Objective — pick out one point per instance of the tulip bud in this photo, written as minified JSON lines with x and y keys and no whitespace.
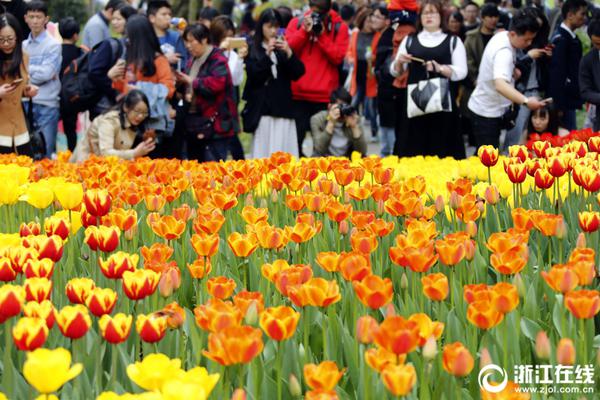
{"x":471,"y":229}
{"x":518,"y":282}
{"x":439,"y":203}
{"x":335,"y":190}
{"x":581,"y":242}
{"x":404,"y":281}
{"x":263,"y":203}
{"x":343,"y":227}
{"x":565,"y":352}
{"x":480,"y":205}
{"x":274,"y":196}
{"x":380,"y":207}
{"x":249,"y":201}
{"x":484,"y":358}
{"x":542,"y":345}
{"x":170,"y":280}
{"x":365,"y":326}
{"x":455,"y":200}
{"x":251,"y":317}
{"x":238,"y":394}
{"x":294,"y":386}
{"x":131,"y":233}
{"x":430,"y":349}
{"x":390,"y":311}
{"x":492,"y":195}
{"x":301,"y":351}
{"x":561,"y":229}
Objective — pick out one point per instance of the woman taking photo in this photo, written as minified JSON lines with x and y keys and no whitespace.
{"x":436,"y":55}
{"x":211,"y":118}
{"x":144,"y":67}
{"x":120,"y":132}
{"x":14,"y":78}
{"x":271,"y":67}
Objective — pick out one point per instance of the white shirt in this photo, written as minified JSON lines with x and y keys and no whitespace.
{"x":434,"y":39}
{"x":497,"y":62}
{"x":236,"y":67}
{"x":566,"y":28}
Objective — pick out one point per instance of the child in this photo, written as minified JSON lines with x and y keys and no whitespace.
{"x":545,"y":120}
{"x":69,"y":31}
{"x":171,"y":44}
{"x":45,"y":58}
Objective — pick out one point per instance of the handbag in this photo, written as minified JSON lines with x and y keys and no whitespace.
{"x":195,"y":124}
{"x":428,"y":96}
{"x":36,"y":138}
{"x":509,"y":118}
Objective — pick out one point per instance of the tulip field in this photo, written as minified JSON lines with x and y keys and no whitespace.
{"x":323,"y":278}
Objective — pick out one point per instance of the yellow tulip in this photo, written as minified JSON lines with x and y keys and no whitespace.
{"x":39,"y":194}
{"x":3,"y":396}
{"x":9,"y":241}
{"x":47,"y":370}
{"x":69,"y":195}
{"x":10,"y":191}
{"x":153,"y":371}
{"x":14,"y":171}
{"x":129,"y":396}
{"x":73,"y":216}
{"x":46,"y":397}
{"x":199,"y":376}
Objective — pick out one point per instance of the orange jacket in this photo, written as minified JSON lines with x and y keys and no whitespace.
{"x":353,"y":57}
{"x":162,"y":75}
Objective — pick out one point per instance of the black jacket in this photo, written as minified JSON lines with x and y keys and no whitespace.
{"x":16,"y":8}
{"x":589,"y":81}
{"x":563,"y":72}
{"x":387,"y":93}
{"x":264,"y":94}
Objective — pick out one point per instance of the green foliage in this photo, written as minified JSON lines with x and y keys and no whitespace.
{"x":68,"y":8}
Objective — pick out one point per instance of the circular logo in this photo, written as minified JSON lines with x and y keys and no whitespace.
{"x":484,"y":377}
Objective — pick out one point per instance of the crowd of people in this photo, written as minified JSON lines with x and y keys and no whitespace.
{"x":424,"y":77}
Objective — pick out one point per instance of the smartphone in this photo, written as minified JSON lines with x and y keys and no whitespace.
{"x":179,"y":65}
{"x":17,"y":81}
{"x":236,"y":42}
{"x":281,"y":34}
{"x":549,"y":100}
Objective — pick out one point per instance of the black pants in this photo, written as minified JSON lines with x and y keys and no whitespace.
{"x":303,"y":110}
{"x":70,"y":128}
{"x":236,"y":149}
{"x":401,"y":142}
{"x":22,"y":150}
{"x":486,"y":130}
{"x":208,"y":150}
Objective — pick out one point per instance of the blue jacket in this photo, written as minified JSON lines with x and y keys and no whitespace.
{"x":45,"y":59}
{"x":173,"y":42}
{"x":101,"y":60}
{"x":563,"y":71}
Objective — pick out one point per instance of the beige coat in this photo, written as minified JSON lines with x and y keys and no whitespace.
{"x":12,"y":122}
{"x":106,"y":137}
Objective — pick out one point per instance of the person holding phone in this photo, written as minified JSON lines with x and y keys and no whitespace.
{"x":119,"y":132}
{"x":271,"y":68}
{"x":14,"y":84}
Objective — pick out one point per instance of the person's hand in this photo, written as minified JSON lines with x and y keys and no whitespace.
{"x":6,"y":89}
{"x":334,"y":113}
{"x":403,"y":59}
{"x":283,"y":46}
{"x":144,"y":148}
{"x":517,"y":74}
{"x":352,"y":121}
{"x":271,"y":45}
{"x":243,"y":51}
{"x":173,"y":57}
{"x":117,"y":71}
{"x":433,"y":66}
{"x":533,"y":103}
{"x":31,"y":90}
{"x":183,"y":78}
{"x":307,"y":23}
{"x":224,"y":44}
{"x":537,"y":53}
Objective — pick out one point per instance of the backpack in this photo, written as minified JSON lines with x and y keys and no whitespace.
{"x":78,"y":93}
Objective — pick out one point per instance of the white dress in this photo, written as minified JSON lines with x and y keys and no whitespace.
{"x":274,"y":134}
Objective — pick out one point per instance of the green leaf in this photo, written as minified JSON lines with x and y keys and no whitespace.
{"x":530,"y":328}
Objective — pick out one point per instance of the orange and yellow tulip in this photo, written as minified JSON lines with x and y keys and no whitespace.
{"x":483,"y":314}
{"x":151,"y":328}
{"x":561,"y":278}
{"x":317,"y":292}
{"x":435,"y":286}
{"x":220,"y":287}
{"x":504,"y":296}
{"x":115,"y":329}
{"x":168,"y":227}
{"x":200,"y":268}
{"x":101,"y":301}
{"x":73,"y":321}
{"x":399,"y":379}
{"x":29,"y":333}
{"x":397,"y":335}
{"x":234,"y":345}
{"x":217,"y":315}
{"x":242,"y":245}
{"x":324,"y":376}
{"x":457,"y":360}
{"x":583,"y":304}
{"x":373,"y":291}
{"x":205,"y":245}
{"x":279,"y":323}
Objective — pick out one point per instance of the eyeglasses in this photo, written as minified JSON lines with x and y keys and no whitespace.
{"x":8,"y":40}
{"x":142,"y":114}
{"x":431,"y":13}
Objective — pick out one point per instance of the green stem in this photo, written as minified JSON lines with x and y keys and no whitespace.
{"x":113,"y":366}
{"x":583,"y":341}
{"x":279,"y":367}
{"x":305,"y":333}
{"x":324,"y":331}
{"x":489,"y":175}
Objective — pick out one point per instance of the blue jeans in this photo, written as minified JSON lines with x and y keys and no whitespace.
{"x":46,"y":119}
{"x":388,"y":139}
{"x":369,"y":108}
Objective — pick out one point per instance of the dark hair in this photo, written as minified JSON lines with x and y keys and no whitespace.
{"x":131,"y":99}
{"x":362,"y":14}
{"x":142,"y":44}
{"x":523,"y":22}
{"x":541,"y":39}
{"x":437,"y":4}
{"x":286,"y":15}
{"x":37,"y":5}
{"x":12,"y":69}
{"x":126,"y":11}
{"x":340,"y":94}
{"x":208,"y":13}
{"x":324,"y":5}
{"x":470,"y":3}
{"x":594,"y":27}
{"x":113,"y":5}
{"x":68,"y":27}
{"x":155,"y":5}
{"x":572,"y":6}
{"x":198,"y":32}
{"x":382,"y":9}
{"x":347,"y":12}
{"x":553,"y":120}
{"x":457,"y":16}
{"x":490,"y":10}
{"x":268,"y":16}
{"x":219,"y":27}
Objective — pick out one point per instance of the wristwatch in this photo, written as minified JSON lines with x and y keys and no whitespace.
{"x":525,"y":102}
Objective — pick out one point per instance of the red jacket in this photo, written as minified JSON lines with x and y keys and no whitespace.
{"x":321,"y":56}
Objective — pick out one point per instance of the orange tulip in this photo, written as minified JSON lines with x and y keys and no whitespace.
{"x":101,"y":301}
{"x":270,"y":271}
{"x":295,"y":274}
{"x":168,"y":227}
{"x":583,"y":304}
{"x":365,"y":326}
{"x":476,"y":292}
{"x":115,"y":329}
{"x":396,"y":334}
{"x":373,"y":291}
{"x":117,"y":264}
{"x":151,"y":328}
{"x":216,"y":315}
{"x":420,"y":259}
{"x":338,"y":212}
{"x":154,"y":202}
{"x":242,"y":245}
{"x":244,"y":299}
{"x":279,"y":323}
{"x":488,"y":155}
{"x":73,"y":321}
{"x":158,"y":253}
{"x":354,"y":266}
{"x":363,"y":241}
{"x":547,"y":224}
{"x":209,"y":222}
{"x":435,"y":286}
{"x":124,"y":219}
{"x":324,"y":376}
{"x":399,"y":379}
{"x":561,"y":278}
{"x":457,"y":360}
{"x":483,"y":314}
{"x":174,"y":314}
{"x":220,"y":287}
{"x":328,"y":260}
{"x":97,"y":202}
{"x":37,"y":289}
{"x":254,"y":215}
{"x":565,"y":352}
{"x":205,"y":245}
{"x":426,"y":327}
{"x":510,"y":262}
{"x":294,"y":203}
{"x":200,"y":268}
{"x":451,"y":249}
{"x":140,"y":283}
{"x":316,"y":292}
{"x":270,"y":237}
{"x":505,"y":297}
{"x":378,"y":358}
{"x":234,"y":345}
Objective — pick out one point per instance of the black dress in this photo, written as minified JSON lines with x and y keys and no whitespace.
{"x":433,"y":134}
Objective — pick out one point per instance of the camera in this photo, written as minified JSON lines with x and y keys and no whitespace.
{"x":346,"y":110}
{"x":317,"y":20}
